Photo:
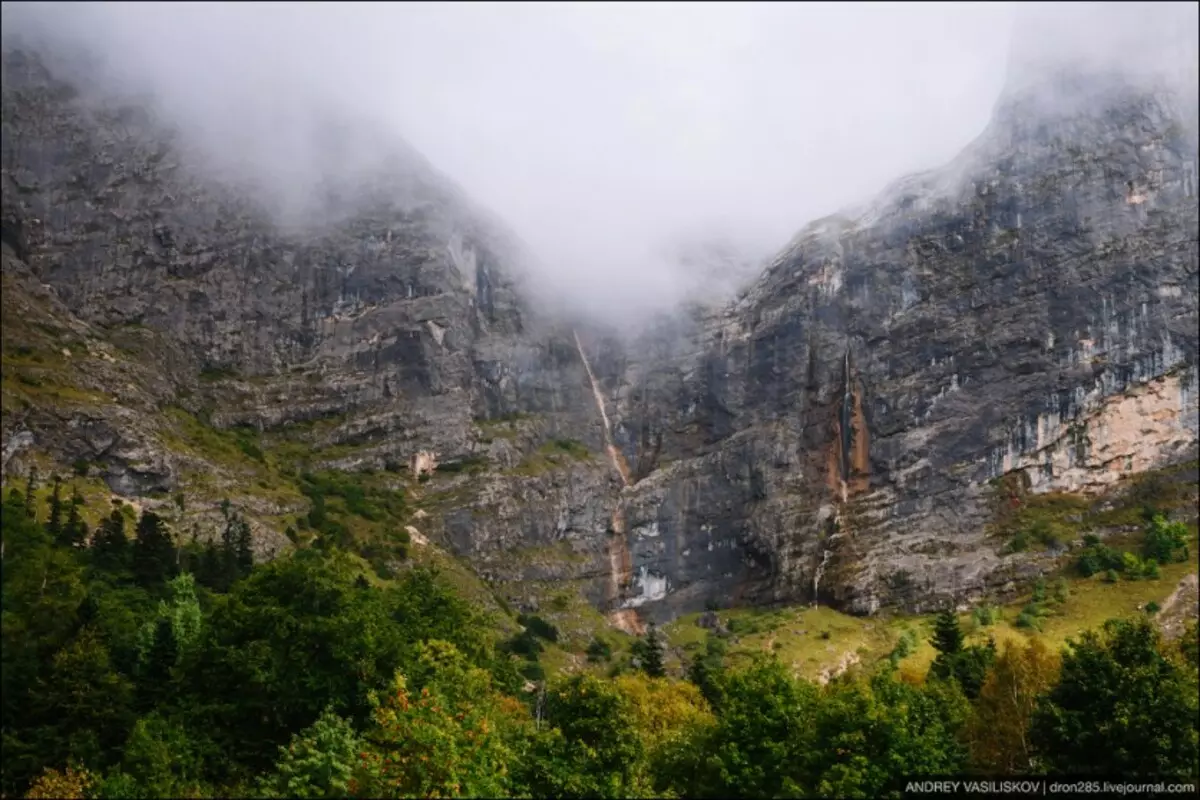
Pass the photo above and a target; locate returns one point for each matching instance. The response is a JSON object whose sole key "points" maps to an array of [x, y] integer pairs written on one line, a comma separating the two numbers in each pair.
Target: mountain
{"points": [[861, 426]]}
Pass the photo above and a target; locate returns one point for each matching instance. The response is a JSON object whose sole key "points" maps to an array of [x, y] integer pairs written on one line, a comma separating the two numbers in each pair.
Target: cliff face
{"points": [[833, 433]]}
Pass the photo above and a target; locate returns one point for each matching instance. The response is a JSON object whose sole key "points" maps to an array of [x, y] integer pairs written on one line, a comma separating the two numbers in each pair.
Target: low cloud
{"points": [[610, 137]]}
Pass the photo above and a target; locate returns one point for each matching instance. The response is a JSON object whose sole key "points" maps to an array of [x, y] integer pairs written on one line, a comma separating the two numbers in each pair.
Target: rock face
{"points": [[830, 435]]}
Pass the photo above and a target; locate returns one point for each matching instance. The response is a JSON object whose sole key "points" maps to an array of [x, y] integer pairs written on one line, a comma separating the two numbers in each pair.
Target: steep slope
{"points": [[1026, 315], [851, 429]]}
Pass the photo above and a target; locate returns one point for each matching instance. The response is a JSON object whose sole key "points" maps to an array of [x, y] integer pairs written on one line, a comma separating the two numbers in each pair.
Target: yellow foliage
{"points": [[998, 730], [55, 784], [662, 708], [912, 674]]}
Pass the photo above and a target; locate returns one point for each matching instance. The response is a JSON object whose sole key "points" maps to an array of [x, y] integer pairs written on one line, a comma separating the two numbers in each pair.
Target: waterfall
{"points": [[614, 455], [820, 571]]}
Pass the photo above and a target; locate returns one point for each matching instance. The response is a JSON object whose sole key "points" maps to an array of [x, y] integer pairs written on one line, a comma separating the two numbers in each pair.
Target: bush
{"points": [[985, 614], [1028, 621], [1151, 608], [533, 671], [1097, 557], [1060, 591], [538, 627], [1111, 576], [1165, 542], [599, 650]]}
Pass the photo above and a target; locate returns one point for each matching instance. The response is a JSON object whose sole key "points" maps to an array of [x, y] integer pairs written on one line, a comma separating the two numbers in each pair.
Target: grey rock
{"points": [[828, 436]]}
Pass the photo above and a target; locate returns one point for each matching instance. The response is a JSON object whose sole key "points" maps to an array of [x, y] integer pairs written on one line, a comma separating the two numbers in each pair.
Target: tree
{"points": [[53, 784], [84, 703], [671, 718], [649, 652], [706, 670], [244, 553], [947, 635], [966, 666], [998, 731], [763, 735], [54, 523], [869, 735], [590, 750], [1165, 542], [111, 547], [74, 531], [153, 551], [31, 494], [161, 758], [1121, 706], [319, 762], [448, 740]]}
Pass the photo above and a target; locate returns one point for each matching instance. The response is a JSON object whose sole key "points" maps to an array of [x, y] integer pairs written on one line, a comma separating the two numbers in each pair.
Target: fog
{"points": [[607, 136]]}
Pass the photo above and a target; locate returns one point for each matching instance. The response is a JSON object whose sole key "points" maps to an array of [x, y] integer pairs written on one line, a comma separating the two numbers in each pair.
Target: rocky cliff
{"points": [[1023, 320]]}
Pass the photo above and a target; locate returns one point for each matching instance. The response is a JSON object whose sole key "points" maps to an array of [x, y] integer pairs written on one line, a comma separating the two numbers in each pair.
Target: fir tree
{"points": [[244, 554], [156, 664], [74, 532], [209, 572], [967, 666], [153, 551], [112, 545], [651, 654], [54, 523], [31, 494], [947, 635]]}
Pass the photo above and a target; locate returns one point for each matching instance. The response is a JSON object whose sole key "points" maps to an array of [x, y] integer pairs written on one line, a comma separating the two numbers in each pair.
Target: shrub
{"points": [[538, 627], [1029, 621], [1165, 542], [599, 650]]}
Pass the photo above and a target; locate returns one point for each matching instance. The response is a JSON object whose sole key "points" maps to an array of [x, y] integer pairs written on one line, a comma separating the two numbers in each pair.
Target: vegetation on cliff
{"points": [[133, 667]]}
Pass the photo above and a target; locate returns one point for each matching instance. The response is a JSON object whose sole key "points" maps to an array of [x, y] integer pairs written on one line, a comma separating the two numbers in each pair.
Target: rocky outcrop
{"points": [[829, 435]]}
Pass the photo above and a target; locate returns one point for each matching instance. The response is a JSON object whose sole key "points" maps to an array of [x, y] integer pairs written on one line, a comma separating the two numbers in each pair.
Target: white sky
{"points": [[596, 131]]}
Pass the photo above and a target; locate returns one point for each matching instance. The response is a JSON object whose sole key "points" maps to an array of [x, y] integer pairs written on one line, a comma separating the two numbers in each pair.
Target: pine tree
{"points": [[74, 532], [243, 551], [156, 664], [54, 524], [652, 654], [31, 494], [208, 571], [967, 666], [153, 551], [112, 545], [947, 635]]}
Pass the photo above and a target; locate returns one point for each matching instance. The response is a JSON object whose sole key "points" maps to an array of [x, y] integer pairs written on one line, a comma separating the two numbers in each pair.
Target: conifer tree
{"points": [[54, 523], [31, 494], [652, 654], [112, 545], [153, 551], [947, 635], [74, 532], [244, 553]]}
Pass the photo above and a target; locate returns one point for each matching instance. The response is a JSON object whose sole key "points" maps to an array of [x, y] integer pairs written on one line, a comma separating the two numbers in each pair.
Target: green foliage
{"points": [[319, 762], [538, 627], [649, 652], [599, 650], [153, 551], [965, 666], [1165, 542], [985, 615], [591, 751], [302, 678], [1120, 706]]}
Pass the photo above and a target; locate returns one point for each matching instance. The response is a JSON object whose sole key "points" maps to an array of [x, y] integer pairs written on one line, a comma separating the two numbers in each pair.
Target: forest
{"points": [[137, 667]]}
